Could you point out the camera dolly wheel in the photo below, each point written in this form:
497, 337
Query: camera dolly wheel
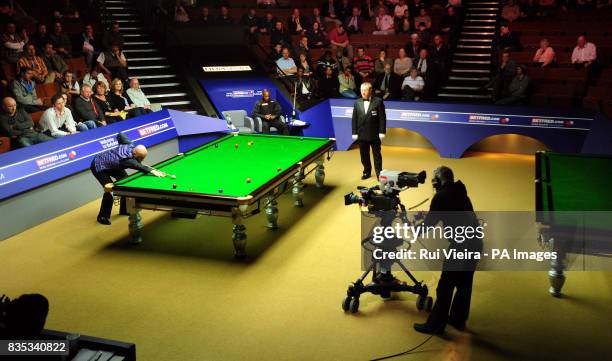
346, 303
420, 302
354, 306
424, 303
428, 303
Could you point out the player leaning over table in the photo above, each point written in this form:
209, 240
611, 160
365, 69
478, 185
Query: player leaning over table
112, 164
268, 111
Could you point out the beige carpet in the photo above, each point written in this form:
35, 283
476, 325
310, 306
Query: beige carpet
181, 296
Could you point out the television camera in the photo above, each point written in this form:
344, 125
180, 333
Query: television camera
384, 203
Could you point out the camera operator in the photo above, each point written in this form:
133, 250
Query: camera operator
369, 128
452, 207
24, 317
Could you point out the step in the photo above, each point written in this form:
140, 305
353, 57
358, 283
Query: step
482, 15
157, 76
483, 62
482, 55
119, 7
479, 27
455, 70
166, 95
139, 50
459, 95
466, 40
138, 43
121, 21
483, 3
481, 33
470, 47
179, 102
152, 58
469, 78
148, 67
123, 14
482, 9
138, 35
159, 85
456, 87
481, 20
131, 28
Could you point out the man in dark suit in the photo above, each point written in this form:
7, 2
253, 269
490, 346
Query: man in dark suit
353, 23
386, 83
413, 46
369, 128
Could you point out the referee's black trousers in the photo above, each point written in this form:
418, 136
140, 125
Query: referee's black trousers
364, 151
104, 177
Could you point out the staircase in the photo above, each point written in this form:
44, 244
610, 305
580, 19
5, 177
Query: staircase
472, 61
146, 62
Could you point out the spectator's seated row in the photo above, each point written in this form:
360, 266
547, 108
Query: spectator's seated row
88, 109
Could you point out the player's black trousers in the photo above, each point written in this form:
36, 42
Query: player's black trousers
276, 123
104, 177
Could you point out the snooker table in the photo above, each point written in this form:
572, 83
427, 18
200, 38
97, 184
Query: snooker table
573, 204
234, 176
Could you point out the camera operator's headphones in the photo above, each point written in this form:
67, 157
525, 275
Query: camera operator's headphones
441, 176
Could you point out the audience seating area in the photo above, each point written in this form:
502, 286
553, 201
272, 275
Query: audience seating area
371, 43
563, 86
73, 28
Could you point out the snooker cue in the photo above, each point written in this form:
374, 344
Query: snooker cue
294, 96
165, 174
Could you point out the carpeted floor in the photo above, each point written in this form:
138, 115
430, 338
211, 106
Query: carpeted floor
181, 296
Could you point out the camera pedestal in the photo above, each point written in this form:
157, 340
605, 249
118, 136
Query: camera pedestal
382, 287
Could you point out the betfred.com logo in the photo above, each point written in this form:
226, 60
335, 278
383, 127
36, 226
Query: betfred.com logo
152, 129
50, 160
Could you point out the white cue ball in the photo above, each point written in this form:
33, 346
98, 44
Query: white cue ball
173, 176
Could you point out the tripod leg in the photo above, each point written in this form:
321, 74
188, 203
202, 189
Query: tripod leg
365, 274
408, 272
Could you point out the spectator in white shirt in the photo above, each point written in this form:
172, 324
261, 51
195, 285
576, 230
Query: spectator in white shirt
138, 97
545, 55
57, 121
384, 23
399, 10
286, 65
180, 14
93, 77
113, 63
584, 53
412, 86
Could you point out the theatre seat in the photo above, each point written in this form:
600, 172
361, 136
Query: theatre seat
240, 120
5, 144
606, 107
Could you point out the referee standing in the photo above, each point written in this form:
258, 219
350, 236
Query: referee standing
111, 165
369, 128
